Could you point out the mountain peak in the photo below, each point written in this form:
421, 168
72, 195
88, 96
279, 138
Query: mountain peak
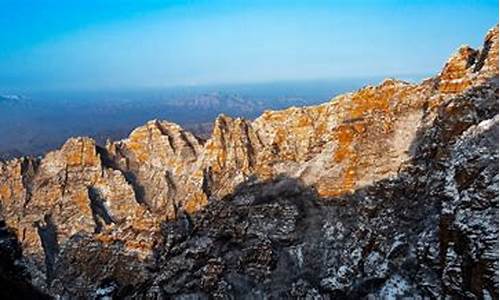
121, 194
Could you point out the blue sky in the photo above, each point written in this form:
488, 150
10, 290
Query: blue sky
104, 44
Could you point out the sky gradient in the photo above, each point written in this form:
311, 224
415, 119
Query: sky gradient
104, 44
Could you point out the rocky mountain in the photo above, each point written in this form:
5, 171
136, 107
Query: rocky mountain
386, 192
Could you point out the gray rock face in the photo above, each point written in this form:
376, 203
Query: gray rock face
385, 193
14, 278
430, 232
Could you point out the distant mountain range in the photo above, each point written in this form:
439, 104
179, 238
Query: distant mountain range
32, 125
13, 99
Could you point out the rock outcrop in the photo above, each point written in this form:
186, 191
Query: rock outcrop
388, 191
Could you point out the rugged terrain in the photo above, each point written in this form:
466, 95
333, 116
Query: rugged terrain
386, 192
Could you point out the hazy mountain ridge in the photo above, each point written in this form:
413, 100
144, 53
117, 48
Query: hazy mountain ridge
34, 125
387, 191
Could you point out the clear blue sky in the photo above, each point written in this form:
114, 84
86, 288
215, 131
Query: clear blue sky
100, 44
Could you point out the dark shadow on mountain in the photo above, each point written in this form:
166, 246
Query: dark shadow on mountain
454, 117
15, 281
47, 232
89, 268
280, 239
100, 212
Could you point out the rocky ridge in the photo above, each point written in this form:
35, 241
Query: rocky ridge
272, 206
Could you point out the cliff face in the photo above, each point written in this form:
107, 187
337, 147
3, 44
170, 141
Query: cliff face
94, 220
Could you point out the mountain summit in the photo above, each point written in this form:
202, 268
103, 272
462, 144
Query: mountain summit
388, 191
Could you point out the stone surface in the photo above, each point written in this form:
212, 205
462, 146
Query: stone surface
389, 191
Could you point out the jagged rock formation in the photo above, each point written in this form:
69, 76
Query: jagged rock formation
388, 191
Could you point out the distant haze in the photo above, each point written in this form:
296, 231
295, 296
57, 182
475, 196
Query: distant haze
104, 44
31, 124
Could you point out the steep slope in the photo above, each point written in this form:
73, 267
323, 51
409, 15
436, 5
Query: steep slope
89, 218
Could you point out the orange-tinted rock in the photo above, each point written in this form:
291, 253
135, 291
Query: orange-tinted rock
158, 159
469, 66
454, 76
120, 194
